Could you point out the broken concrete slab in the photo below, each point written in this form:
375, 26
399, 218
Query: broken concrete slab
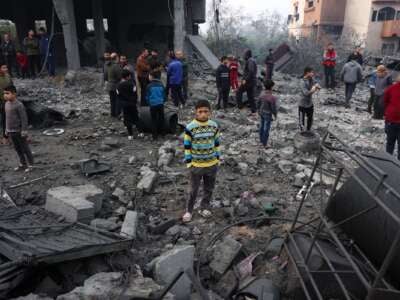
129, 227
224, 253
307, 141
148, 179
75, 203
103, 286
104, 224
169, 264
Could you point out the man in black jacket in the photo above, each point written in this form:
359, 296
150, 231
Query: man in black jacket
249, 82
127, 98
8, 52
269, 64
223, 83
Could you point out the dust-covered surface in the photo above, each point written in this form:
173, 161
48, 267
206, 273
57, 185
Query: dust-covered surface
250, 180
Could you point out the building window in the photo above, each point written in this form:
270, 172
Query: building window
398, 15
90, 25
40, 24
310, 3
388, 49
386, 14
374, 15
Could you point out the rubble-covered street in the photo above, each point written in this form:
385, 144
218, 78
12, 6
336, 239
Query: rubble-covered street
143, 195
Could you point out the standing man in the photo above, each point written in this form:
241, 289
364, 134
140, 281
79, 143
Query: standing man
357, 56
5, 81
31, 44
154, 60
249, 82
269, 64
125, 65
382, 81
106, 66
306, 106
223, 83
47, 52
185, 67
392, 117
143, 69
329, 63
8, 52
114, 78
175, 79
351, 75
127, 98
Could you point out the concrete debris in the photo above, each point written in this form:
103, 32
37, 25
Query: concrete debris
224, 253
166, 154
76, 204
33, 297
169, 264
148, 179
103, 286
120, 195
130, 225
104, 224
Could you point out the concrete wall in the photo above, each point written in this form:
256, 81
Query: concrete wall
295, 26
332, 12
357, 17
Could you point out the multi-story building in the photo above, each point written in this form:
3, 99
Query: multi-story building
316, 18
376, 23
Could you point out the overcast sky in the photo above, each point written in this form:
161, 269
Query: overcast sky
255, 6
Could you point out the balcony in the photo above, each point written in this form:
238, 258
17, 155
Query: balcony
391, 29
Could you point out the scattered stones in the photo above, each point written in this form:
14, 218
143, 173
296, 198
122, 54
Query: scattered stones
307, 141
274, 247
76, 204
299, 179
169, 264
243, 168
258, 188
285, 166
120, 195
148, 179
166, 154
129, 227
224, 253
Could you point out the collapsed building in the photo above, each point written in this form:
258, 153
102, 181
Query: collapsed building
82, 30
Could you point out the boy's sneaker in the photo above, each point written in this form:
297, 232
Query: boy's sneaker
20, 168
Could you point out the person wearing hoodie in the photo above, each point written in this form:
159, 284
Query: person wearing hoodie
392, 117
223, 83
46, 47
329, 63
156, 97
306, 106
351, 75
175, 80
381, 80
249, 82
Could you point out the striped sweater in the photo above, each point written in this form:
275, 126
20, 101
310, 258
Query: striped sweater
201, 144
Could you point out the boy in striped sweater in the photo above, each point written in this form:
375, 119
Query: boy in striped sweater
202, 156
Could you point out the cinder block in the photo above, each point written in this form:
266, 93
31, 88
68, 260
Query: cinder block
75, 203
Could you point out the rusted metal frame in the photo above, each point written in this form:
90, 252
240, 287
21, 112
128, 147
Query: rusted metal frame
306, 268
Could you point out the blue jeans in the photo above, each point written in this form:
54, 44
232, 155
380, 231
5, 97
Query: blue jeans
265, 127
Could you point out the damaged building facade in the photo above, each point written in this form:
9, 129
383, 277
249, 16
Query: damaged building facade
84, 29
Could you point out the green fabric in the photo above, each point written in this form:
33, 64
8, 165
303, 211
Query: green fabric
5, 81
31, 46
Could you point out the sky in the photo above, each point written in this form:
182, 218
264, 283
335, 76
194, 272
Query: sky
255, 6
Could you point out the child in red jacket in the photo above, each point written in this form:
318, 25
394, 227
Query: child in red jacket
234, 72
22, 62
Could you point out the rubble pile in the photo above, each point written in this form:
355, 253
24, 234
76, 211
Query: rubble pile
144, 191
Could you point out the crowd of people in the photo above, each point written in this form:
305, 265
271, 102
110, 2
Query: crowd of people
28, 58
130, 86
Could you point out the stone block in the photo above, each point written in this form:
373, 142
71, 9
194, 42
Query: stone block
129, 227
224, 253
75, 203
171, 263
